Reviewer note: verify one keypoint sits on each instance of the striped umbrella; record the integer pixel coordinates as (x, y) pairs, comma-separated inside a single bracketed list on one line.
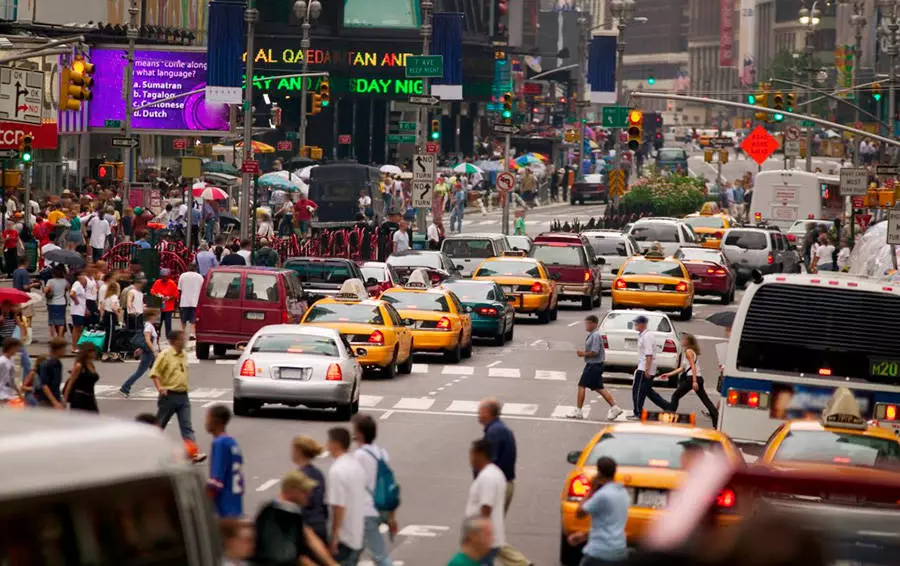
[(257, 147), (206, 191)]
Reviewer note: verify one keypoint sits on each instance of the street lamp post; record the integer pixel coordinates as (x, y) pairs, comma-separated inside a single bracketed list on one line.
[(251, 15), (622, 11), (890, 23), (810, 19), (128, 88), (426, 6), (305, 12)]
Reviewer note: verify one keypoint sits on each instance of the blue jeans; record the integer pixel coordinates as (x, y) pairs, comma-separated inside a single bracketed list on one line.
[(374, 541), (167, 322), (346, 556), (177, 405), (456, 219), (208, 229), (642, 390), (146, 362)]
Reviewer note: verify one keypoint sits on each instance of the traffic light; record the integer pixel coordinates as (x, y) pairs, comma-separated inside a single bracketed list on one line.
[(325, 92), (105, 173), (876, 92), (791, 99), (316, 105), (751, 98), (651, 80), (75, 81), (507, 111), (435, 130), (26, 149), (635, 129)]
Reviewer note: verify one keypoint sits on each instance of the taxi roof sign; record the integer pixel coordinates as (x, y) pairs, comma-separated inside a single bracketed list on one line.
[(668, 417), (418, 279), (353, 289), (514, 253), (842, 411)]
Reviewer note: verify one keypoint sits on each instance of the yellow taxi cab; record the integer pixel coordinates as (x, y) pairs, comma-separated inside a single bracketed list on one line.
[(436, 318), (373, 324), (650, 456), (709, 227), (841, 443), (526, 282), (653, 281)]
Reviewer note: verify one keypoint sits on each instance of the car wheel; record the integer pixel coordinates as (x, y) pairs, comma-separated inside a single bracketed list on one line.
[(573, 202), (687, 313), (202, 351), (219, 350), (544, 316), (390, 371), (728, 297), (406, 366), (568, 555), (500, 339), (453, 356), (554, 313), (467, 351), (510, 332), (345, 412), (241, 408), (354, 406), (598, 300), (587, 303)]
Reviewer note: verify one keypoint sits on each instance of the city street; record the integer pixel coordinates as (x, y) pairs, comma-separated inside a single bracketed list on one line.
[(427, 420)]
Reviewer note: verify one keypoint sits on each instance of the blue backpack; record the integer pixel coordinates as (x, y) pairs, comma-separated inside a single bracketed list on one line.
[(386, 494)]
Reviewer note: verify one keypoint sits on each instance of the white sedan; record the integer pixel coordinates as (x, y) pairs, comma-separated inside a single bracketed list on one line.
[(290, 364), (620, 340)]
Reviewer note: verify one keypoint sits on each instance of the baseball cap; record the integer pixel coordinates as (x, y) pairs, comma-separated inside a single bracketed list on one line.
[(166, 272), (298, 480), (641, 319)]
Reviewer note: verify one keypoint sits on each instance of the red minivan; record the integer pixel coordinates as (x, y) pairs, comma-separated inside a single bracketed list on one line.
[(236, 301), (571, 261)]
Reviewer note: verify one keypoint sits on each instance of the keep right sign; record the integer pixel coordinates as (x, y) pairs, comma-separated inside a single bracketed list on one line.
[(854, 181), (893, 227)]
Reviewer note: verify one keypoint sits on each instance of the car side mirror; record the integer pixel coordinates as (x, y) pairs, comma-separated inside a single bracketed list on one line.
[(460, 267), (600, 261), (371, 282), (360, 352), (554, 276), (408, 322), (573, 456)]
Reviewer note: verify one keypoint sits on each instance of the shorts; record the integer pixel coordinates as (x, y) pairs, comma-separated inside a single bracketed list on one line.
[(56, 315), (78, 320), (592, 377), (188, 314)]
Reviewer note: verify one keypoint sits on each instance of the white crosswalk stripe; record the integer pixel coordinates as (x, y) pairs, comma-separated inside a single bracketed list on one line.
[(520, 409), (463, 407), (550, 374), (414, 404), (504, 372), (370, 401), (560, 411), (420, 368), (458, 370)]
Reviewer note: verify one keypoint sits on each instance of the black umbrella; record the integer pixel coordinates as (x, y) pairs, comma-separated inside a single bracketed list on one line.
[(724, 318), (65, 257)]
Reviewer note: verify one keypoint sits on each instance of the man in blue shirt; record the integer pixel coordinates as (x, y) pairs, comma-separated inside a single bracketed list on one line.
[(21, 278), (206, 259), (226, 476), (608, 508)]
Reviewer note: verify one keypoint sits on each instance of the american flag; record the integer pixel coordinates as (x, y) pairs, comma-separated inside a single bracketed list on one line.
[(74, 121), (682, 82)]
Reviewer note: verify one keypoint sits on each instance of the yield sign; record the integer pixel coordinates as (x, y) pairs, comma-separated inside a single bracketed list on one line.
[(863, 220), (759, 145)]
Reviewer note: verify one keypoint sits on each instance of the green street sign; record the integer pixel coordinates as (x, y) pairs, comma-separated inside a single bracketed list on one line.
[(291, 135), (615, 116), (407, 126), (807, 124), (113, 123), (401, 138), (424, 66)]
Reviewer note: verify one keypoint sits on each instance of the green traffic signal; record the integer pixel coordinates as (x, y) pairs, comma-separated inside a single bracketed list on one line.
[(779, 117), (506, 114), (651, 80), (877, 97), (435, 135), (26, 157), (751, 99), (324, 103)]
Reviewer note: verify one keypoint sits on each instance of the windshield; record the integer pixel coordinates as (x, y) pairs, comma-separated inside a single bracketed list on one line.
[(625, 321), (469, 248), (608, 246), (415, 260), (295, 344), (320, 271), (671, 154), (654, 232), (417, 301), (832, 447), (747, 240), (472, 291), (646, 450), (509, 268), (559, 255), (702, 254), (705, 221), (665, 268), (377, 273), (337, 312)]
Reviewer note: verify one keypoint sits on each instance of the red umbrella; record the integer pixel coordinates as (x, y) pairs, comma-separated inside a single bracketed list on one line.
[(8, 294)]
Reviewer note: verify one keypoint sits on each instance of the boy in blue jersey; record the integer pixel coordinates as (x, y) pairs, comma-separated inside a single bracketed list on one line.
[(226, 476)]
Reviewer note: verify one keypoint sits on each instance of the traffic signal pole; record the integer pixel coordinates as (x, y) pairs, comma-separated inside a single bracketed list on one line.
[(426, 6), (128, 152), (251, 15), (504, 218)]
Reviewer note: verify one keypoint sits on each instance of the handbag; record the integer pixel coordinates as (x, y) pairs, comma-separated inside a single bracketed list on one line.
[(95, 337)]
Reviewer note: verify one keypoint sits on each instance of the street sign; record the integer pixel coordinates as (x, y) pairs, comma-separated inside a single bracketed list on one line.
[(401, 138), (292, 135), (21, 95), (424, 66), (854, 181), (345, 139), (792, 133), (759, 145), (893, 227), (616, 183), (791, 148), (250, 166), (124, 142), (9, 153), (407, 126), (432, 147), (423, 193), (179, 143), (112, 124), (858, 201), (423, 166), (506, 182), (284, 145), (45, 136), (887, 170), (615, 116), (505, 130), (722, 141), (424, 100), (807, 124), (863, 220)]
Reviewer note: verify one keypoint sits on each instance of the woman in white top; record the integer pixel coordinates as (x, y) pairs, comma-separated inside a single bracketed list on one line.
[(823, 255), (265, 228), (91, 292), (134, 305), (110, 309), (690, 378)]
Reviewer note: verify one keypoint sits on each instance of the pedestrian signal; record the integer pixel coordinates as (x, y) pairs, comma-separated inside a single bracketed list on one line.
[(635, 129), (435, 130)]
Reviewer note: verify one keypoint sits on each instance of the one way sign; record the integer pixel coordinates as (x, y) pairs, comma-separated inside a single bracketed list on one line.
[(423, 179)]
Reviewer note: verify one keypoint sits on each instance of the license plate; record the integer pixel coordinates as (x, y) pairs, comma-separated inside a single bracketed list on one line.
[(631, 344), (296, 373), (256, 316), (652, 498), (507, 289), (651, 287)]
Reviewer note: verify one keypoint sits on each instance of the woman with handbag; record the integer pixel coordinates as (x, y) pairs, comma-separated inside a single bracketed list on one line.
[(110, 309), (56, 290), (79, 389)]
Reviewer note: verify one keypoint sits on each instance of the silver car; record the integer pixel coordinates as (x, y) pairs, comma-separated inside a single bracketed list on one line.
[(614, 247), (290, 364), (620, 340)]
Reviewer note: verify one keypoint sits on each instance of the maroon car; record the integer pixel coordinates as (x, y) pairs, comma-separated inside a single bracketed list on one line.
[(379, 275), (710, 272), (571, 261)]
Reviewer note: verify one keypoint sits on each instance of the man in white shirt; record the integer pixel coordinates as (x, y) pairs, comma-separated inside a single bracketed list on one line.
[(78, 308), (346, 496), (189, 284), (401, 238), (434, 236), (646, 370), (100, 230), (487, 494), (368, 454)]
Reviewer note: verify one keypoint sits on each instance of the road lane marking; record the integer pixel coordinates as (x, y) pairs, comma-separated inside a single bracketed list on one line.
[(560, 412), (429, 531), (385, 416), (492, 364), (536, 342), (209, 404), (462, 407), (420, 368), (458, 370), (550, 375), (522, 409), (504, 372), (369, 401), (225, 362), (203, 392), (574, 323), (713, 338), (414, 403), (266, 485)]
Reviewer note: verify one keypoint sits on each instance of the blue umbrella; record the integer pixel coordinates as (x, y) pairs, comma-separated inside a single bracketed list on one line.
[(283, 180)]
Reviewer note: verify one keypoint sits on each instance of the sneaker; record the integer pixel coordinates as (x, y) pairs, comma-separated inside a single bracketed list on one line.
[(198, 457), (633, 418), (614, 412), (575, 414), (124, 394)]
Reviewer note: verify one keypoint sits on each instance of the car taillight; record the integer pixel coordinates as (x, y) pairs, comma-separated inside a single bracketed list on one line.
[(605, 341), (791, 238), (669, 347), (718, 234), (248, 368), (748, 399), (757, 216), (537, 288), (732, 397), (587, 275), (334, 373), (771, 259), (886, 412), (753, 400), (285, 317), (681, 287), (376, 337), (619, 284), (486, 311), (726, 499), (444, 323), (580, 487), (810, 216)]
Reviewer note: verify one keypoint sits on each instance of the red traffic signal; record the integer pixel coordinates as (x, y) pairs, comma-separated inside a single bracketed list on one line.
[(104, 173)]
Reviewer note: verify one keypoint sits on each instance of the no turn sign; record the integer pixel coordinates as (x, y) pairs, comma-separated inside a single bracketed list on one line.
[(506, 181), (792, 133)]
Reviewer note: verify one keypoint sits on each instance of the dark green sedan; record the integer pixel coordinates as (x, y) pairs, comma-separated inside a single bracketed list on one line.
[(492, 315)]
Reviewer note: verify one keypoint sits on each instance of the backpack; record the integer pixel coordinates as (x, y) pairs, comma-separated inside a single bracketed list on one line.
[(386, 495)]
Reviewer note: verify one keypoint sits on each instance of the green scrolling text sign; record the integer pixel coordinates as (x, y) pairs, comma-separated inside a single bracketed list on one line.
[(364, 86)]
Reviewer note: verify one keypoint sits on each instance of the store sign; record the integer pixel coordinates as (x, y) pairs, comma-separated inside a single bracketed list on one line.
[(157, 75), (45, 135)]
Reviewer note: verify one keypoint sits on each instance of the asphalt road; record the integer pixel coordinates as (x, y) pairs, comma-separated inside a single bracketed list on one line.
[(427, 420)]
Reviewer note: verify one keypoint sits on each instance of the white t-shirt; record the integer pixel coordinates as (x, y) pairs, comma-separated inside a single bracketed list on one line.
[(401, 241), (489, 488), (645, 346), (137, 302), (189, 283), (154, 336), (368, 456), (245, 254), (346, 487), (825, 254), (434, 235), (102, 292), (90, 290), (111, 304), (99, 233), (79, 304)]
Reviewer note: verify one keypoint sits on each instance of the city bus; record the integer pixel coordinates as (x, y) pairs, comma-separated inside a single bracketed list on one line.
[(796, 338), (784, 196)]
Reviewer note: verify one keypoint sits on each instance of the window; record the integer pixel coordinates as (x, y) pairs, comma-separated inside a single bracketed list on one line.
[(382, 14), (654, 232), (472, 290), (338, 312), (417, 301), (416, 260), (224, 285), (705, 222), (625, 321), (747, 240), (671, 154), (608, 246), (296, 344), (701, 254), (466, 248), (559, 255), (646, 450), (321, 271), (395, 317), (511, 268), (643, 267), (831, 447), (377, 273), (259, 287)]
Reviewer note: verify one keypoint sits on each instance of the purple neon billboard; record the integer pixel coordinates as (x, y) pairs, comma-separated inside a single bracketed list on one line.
[(157, 75)]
